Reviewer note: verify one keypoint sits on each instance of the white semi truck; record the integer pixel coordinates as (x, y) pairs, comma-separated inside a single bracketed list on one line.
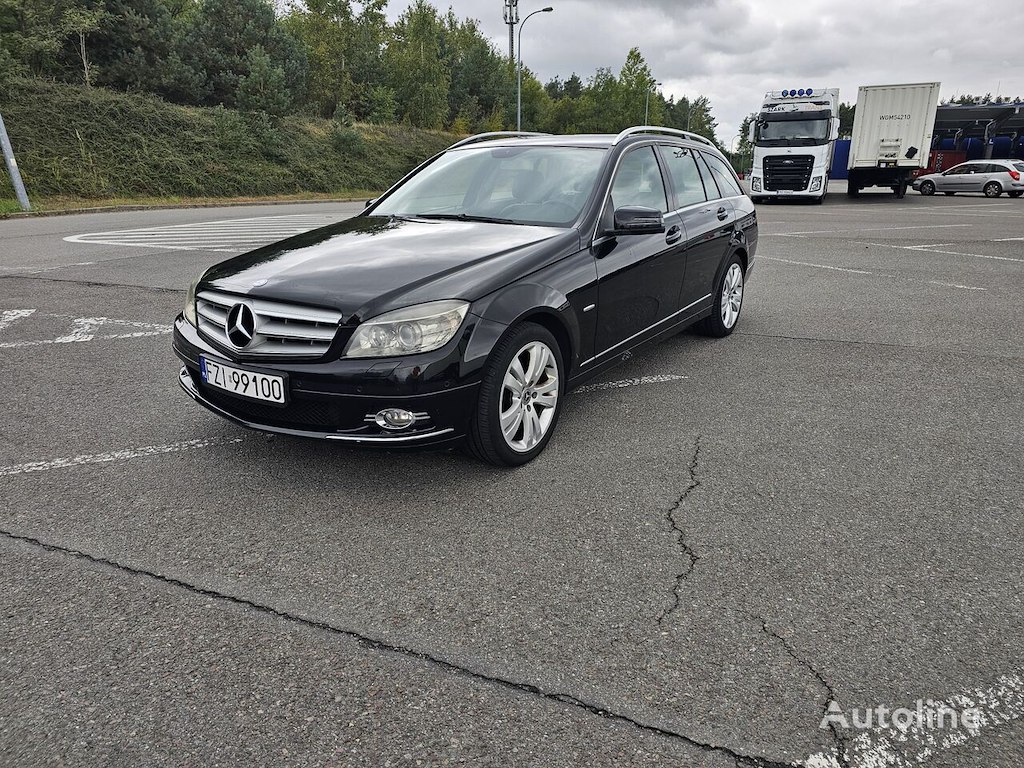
[(793, 138), (892, 135)]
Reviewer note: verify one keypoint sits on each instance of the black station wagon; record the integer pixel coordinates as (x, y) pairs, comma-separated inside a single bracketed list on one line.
[(464, 303)]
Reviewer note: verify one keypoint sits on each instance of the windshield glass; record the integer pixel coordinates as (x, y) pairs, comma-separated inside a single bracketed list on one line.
[(516, 185), (793, 131)]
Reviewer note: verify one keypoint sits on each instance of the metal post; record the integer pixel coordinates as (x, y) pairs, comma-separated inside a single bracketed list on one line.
[(511, 19), (519, 69), (12, 168), (647, 102)]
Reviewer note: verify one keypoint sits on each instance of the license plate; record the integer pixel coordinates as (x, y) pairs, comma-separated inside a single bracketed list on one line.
[(785, 191), (242, 382)]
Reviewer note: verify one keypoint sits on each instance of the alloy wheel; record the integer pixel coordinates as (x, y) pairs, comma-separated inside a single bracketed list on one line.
[(732, 295), (529, 394)]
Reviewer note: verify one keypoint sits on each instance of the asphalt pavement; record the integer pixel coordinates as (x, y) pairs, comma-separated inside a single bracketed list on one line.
[(723, 537)]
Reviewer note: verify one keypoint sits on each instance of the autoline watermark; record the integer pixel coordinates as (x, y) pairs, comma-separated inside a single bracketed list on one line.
[(926, 716)]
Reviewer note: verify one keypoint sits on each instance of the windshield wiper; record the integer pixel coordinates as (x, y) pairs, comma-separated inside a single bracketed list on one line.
[(463, 217)]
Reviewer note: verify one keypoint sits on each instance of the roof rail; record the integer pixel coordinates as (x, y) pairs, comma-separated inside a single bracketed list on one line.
[(660, 129), (494, 135)]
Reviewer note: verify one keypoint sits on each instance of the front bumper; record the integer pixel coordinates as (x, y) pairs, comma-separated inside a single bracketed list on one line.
[(335, 400)]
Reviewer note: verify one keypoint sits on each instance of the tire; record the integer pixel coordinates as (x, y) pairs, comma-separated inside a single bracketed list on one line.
[(993, 189), (1015, 194), (486, 439), (927, 188), (819, 200), (722, 323), (853, 192)]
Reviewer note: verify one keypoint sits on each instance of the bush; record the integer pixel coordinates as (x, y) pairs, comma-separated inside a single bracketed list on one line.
[(94, 143)]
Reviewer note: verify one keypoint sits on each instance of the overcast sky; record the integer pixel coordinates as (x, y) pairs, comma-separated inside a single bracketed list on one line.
[(732, 51)]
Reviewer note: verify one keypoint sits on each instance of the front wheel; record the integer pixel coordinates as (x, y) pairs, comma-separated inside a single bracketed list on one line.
[(520, 398), (927, 188), (992, 189), (728, 301)]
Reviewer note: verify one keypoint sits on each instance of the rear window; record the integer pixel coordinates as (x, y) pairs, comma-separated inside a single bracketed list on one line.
[(1019, 166)]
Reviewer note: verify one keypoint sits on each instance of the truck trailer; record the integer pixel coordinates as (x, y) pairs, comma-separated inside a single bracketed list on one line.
[(793, 138), (892, 135)]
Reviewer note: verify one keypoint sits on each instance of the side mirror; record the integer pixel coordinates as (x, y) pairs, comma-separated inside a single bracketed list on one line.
[(369, 203), (638, 220), (751, 131), (834, 133)]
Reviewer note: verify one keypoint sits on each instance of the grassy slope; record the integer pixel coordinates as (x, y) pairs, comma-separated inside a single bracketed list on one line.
[(95, 145)]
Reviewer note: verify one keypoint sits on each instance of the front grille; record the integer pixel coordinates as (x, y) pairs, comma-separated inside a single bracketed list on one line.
[(792, 172), (280, 329)]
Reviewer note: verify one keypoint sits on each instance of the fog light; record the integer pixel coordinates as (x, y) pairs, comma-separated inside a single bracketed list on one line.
[(394, 418), (755, 184), (815, 183)]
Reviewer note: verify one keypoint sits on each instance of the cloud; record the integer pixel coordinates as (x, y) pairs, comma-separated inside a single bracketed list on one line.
[(733, 51)]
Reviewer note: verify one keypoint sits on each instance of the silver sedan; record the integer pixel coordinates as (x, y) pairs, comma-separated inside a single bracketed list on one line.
[(990, 177)]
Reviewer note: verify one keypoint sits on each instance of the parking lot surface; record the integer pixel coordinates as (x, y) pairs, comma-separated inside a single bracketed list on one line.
[(724, 539)]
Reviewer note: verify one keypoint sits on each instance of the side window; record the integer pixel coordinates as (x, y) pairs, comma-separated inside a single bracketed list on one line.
[(956, 170), (724, 176), (682, 169), (710, 183), (638, 181), (993, 168)]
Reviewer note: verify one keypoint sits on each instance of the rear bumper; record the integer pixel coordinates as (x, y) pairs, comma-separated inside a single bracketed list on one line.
[(323, 403)]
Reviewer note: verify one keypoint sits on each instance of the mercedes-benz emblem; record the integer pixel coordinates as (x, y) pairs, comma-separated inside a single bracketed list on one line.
[(240, 325)]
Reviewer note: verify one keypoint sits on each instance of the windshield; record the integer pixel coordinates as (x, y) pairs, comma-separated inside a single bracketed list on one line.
[(778, 132), (514, 185)]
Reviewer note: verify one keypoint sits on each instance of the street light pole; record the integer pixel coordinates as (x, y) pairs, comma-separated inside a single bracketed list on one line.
[(647, 103), (519, 68)]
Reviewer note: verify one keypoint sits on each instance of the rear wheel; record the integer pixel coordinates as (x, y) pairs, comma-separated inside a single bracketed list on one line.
[(1015, 194), (520, 398), (728, 301), (949, 193), (927, 188), (992, 189)]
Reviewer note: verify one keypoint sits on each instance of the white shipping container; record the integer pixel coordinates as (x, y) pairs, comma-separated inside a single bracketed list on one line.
[(890, 121)]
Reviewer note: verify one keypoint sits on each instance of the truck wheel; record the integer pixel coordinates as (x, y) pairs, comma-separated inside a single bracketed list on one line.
[(927, 188), (819, 200), (852, 191), (1015, 194), (950, 194), (901, 190), (992, 189)]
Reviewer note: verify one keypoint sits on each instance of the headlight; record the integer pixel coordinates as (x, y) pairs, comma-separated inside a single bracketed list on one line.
[(420, 328), (815, 183), (755, 184), (190, 303)]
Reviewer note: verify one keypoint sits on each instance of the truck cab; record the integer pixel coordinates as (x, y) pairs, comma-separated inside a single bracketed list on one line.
[(793, 139)]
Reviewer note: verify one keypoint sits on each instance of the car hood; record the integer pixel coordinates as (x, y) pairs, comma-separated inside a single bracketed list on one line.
[(371, 264)]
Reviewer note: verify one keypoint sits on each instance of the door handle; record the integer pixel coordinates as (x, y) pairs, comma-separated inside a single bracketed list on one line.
[(674, 235), (723, 214)]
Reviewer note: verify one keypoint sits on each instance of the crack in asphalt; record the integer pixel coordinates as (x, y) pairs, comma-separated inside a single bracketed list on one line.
[(841, 743), (687, 551), (742, 760)]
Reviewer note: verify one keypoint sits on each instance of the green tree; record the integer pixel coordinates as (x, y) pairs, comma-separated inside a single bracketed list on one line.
[(415, 68), (219, 37), (263, 87), (133, 46), (846, 115)]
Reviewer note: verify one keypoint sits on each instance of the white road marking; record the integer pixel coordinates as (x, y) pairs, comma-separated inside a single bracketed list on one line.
[(116, 456), (864, 229), (82, 329), (819, 266), (930, 249), (9, 316), (1007, 239), (227, 235), (660, 379), (956, 285), (894, 747)]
